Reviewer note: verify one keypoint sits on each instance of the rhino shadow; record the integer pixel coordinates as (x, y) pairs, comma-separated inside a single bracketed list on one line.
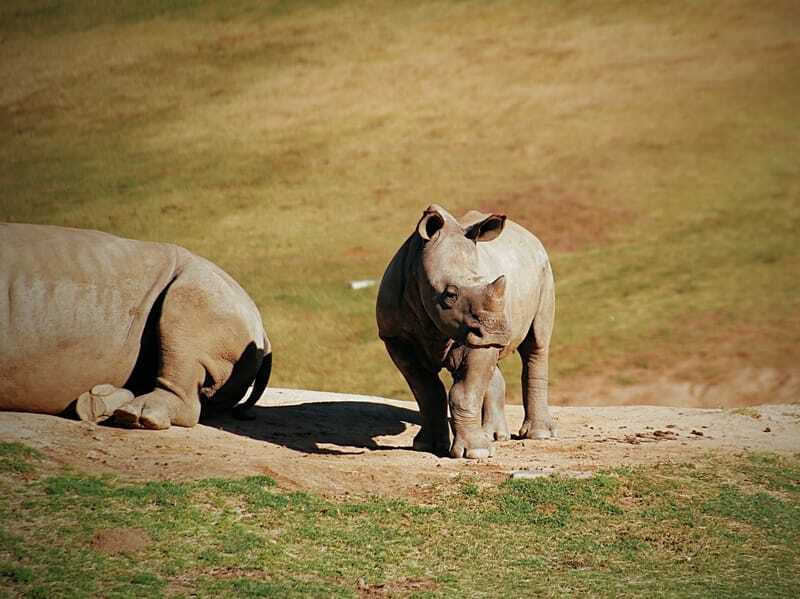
[(303, 427)]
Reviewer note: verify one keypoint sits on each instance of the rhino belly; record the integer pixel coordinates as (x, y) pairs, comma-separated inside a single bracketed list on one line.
[(74, 307)]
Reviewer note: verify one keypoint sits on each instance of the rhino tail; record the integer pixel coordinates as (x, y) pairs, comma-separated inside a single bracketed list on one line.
[(243, 410)]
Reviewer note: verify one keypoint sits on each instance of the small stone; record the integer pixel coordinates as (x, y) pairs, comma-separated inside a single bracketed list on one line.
[(768, 430)]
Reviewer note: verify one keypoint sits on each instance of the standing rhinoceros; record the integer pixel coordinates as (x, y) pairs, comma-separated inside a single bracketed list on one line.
[(136, 330), (462, 295)]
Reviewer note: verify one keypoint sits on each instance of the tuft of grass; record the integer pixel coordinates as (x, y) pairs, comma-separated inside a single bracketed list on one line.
[(16, 458), (553, 500)]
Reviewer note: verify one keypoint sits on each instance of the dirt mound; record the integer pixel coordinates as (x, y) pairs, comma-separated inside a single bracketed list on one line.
[(338, 444)]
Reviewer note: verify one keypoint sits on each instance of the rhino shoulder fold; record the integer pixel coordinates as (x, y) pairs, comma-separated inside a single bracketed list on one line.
[(393, 288)]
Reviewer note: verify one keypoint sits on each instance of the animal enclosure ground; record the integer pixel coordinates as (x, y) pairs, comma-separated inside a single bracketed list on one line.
[(338, 445), (320, 496)]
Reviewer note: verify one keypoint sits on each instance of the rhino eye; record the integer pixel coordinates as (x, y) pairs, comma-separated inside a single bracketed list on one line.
[(449, 296)]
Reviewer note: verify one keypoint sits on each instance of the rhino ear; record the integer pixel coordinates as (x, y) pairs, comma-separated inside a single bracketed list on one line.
[(487, 229), (432, 220)]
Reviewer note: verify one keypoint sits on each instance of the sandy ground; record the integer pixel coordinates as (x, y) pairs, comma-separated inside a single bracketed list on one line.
[(338, 444)]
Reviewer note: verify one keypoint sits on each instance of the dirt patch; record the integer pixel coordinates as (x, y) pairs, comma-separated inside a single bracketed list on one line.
[(721, 364), (565, 220), (746, 386), (114, 541), (340, 445)]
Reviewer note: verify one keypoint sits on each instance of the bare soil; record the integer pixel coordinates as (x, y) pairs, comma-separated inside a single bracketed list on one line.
[(113, 541), (337, 444)]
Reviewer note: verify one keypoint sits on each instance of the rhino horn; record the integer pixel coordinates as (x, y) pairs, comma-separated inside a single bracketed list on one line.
[(495, 294)]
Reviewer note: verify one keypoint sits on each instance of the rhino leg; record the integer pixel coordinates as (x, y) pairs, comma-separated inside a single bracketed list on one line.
[(494, 414), (185, 338), (534, 352), (471, 383), (157, 410), (430, 394)]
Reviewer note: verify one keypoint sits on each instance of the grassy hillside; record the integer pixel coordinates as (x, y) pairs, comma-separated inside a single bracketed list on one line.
[(654, 148)]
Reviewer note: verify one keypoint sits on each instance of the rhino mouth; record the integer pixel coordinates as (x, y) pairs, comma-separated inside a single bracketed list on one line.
[(491, 330), (483, 340)]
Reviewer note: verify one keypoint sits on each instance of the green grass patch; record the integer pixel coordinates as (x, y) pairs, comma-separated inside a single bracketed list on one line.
[(718, 526), (17, 458)]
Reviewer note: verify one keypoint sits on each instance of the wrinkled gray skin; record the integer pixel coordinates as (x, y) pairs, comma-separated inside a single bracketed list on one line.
[(462, 295), (85, 314)]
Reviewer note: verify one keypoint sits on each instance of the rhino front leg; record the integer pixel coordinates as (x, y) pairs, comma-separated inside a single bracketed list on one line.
[(494, 413), (430, 394), (471, 382), (101, 402)]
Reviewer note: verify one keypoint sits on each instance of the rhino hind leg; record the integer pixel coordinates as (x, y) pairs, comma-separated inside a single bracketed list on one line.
[(101, 402), (169, 371), (156, 410), (534, 352), (494, 415)]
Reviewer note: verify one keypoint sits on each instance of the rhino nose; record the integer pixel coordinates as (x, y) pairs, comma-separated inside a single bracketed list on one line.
[(473, 322)]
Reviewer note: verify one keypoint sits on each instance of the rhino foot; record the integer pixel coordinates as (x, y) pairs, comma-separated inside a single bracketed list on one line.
[(530, 430), (497, 429), (436, 444), (139, 414), (474, 446), (101, 402)]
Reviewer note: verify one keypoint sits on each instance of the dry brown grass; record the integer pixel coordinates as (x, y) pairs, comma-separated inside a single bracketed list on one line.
[(652, 147)]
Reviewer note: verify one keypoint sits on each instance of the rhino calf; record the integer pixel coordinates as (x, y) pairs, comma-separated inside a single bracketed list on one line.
[(145, 332), (463, 294)]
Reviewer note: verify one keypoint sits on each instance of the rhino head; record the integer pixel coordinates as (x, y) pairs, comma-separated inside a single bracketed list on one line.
[(460, 302)]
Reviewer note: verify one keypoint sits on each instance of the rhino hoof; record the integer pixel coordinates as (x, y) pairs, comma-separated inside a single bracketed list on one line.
[(479, 453), (155, 418), (498, 435), (529, 432), (472, 447), (425, 442), (128, 416), (101, 402)]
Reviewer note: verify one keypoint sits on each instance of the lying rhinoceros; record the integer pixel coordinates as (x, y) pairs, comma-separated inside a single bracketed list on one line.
[(144, 332), (462, 295)]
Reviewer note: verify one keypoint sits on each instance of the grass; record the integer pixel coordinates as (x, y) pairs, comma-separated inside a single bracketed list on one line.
[(719, 526), (652, 147)]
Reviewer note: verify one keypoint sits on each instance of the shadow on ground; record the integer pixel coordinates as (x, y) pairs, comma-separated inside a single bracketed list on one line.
[(304, 427)]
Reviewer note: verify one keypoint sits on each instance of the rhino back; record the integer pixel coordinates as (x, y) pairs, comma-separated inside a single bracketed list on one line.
[(73, 306), (521, 257)]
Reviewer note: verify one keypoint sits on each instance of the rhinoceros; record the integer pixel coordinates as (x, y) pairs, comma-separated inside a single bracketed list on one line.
[(463, 294), (144, 332)]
